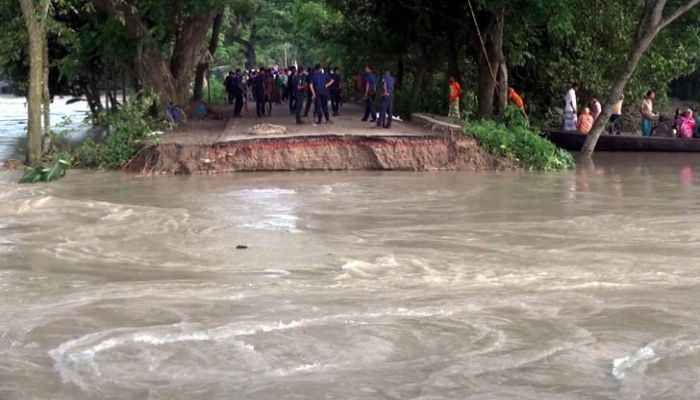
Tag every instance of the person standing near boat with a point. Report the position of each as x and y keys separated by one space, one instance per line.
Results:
x=570 y=108
x=615 y=116
x=647 y=111
x=687 y=125
x=597 y=109
x=585 y=121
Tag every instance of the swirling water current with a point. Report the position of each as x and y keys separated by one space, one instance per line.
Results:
x=368 y=285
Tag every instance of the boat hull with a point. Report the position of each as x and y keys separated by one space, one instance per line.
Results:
x=573 y=141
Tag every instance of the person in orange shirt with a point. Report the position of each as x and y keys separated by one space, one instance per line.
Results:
x=585 y=121
x=455 y=91
x=515 y=98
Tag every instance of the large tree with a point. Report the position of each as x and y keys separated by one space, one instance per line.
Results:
x=656 y=16
x=35 y=15
x=168 y=37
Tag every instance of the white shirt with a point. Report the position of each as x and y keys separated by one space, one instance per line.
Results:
x=570 y=100
x=597 y=109
x=647 y=108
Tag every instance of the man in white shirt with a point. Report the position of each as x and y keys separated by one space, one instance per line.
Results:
x=597 y=108
x=648 y=115
x=571 y=108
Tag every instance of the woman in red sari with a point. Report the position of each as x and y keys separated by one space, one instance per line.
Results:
x=455 y=92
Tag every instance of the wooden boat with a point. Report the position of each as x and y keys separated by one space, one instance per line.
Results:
x=573 y=141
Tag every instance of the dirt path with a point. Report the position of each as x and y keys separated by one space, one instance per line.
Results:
x=348 y=123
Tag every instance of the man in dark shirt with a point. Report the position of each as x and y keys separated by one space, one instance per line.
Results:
x=320 y=82
x=291 y=88
x=387 y=92
x=228 y=85
x=309 y=101
x=259 y=90
x=300 y=87
x=336 y=91
x=237 y=88
x=370 y=94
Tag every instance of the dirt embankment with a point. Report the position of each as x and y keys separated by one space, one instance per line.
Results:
x=322 y=152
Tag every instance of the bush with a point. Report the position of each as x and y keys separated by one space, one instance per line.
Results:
x=217 y=91
x=129 y=129
x=519 y=144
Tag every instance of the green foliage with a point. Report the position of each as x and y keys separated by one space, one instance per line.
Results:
x=217 y=91
x=513 y=118
x=130 y=129
x=521 y=145
x=46 y=172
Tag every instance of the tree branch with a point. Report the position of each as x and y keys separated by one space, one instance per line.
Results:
x=241 y=41
x=678 y=13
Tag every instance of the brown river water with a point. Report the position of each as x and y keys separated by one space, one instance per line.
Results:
x=363 y=285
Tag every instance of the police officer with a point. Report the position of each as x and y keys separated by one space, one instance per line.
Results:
x=336 y=91
x=291 y=88
x=300 y=88
x=228 y=85
x=237 y=89
x=320 y=82
x=259 y=91
x=387 y=92
x=309 y=101
x=370 y=94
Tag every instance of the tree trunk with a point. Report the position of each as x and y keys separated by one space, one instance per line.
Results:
x=45 y=93
x=502 y=63
x=169 y=77
x=490 y=49
x=203 y=67
x=400 y=72
x=488 y=70
x=251 y=58
x=486 y=89
x=502 y=88
x=419 y=81
x=35 y=31
x=452 y=58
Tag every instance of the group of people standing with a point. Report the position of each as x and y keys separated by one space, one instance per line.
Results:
x=264 y=87
x=583 y=123
x=303 y=87
x=684 y=123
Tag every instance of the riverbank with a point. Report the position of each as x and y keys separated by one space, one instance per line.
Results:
x=277 y=144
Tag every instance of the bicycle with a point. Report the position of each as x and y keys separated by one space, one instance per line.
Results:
x=614 y=128
x=663 y=127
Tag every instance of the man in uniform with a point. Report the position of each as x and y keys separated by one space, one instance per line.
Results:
x=335 y=91
x=309 y=101
x=228 y=85
x=300 y=89
x=370 y=93
x=291 y=88
x=386 y=111
x=237 y=88
x=320 y=82
x=259 y=90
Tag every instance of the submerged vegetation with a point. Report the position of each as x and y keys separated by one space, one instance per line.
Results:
x=128 y=130
x=514 y=140
x=46 y=172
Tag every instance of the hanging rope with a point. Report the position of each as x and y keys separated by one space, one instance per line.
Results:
x=481 y=40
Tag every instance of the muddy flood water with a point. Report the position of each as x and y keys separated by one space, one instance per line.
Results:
x=365 y=285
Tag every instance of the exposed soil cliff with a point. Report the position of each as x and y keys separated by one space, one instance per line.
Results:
x=322 y=152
